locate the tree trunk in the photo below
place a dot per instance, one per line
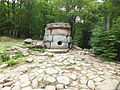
(108, 22)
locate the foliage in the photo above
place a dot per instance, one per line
(103, 43)
(38, 49)
(12, 62)
(17, 55)
(5, 56)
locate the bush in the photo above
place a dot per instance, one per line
(18, 55)
(5, 56)
(11, 62)
(38, 49)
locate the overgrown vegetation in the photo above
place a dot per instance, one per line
(94, 24)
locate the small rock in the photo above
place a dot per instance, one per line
(118, 86)
(27, 83)
(34, 83)
(16, 86)
(4, 65)
(29, 60)
(6, 88)
(63, 79)
(73, 76)
(49, 87)
(98, 79)
(50, 79)
(51, 71)
(8, 84)
(27, 88)
(91, 84)
(40, 44)
(59, 86)
(28, 41)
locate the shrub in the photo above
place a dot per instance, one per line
(18, 55)
(38, 49)
(11, 62)
(5, 56)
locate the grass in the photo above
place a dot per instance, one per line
(5, 45)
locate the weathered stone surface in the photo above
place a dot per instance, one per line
(91, 84)
(73, 76)
(48, 38)
(97, 79)
(57, 51)
(54, 45)
(63, 79)
(35, 83)
(29, 60)
(27, 88)
(47, 32)
(50, 79)
(118, 86)
(40, 44)
(58, 38)
(60, 32)
(69, 39)
(59, 25)
(59, 86)
(47, 44)
(49, 87)
(28, 41)
(51, 71)
(6, 88)
(4, 65)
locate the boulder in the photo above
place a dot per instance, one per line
(28, 41)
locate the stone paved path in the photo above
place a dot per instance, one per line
(67, 71)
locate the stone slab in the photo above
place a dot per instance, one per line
(58, 38)
(59, 25)
(47, 32)
(57, 50)
(48, 38)
(64, 32)
(47, 44)
(54, 45)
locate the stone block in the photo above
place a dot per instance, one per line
(56, 45)
(58, 38)
(48, 38)
(69, 39)
(47, 44)
(47, 32)
(60, 32)
(59, 25)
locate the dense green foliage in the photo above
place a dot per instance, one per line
(94, 24)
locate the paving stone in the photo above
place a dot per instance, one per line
(59, 86)
(98, 79)
(73, 76)
(49, 87)
(27, 88)
(51, 71)
(6, 88)
(29, 60)
(91, 84)
(50, 79)
(34, 83)
(63, 79)
(25, 84)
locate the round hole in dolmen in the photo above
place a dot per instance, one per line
(59, 43)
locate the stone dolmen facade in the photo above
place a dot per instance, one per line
(58, 36)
